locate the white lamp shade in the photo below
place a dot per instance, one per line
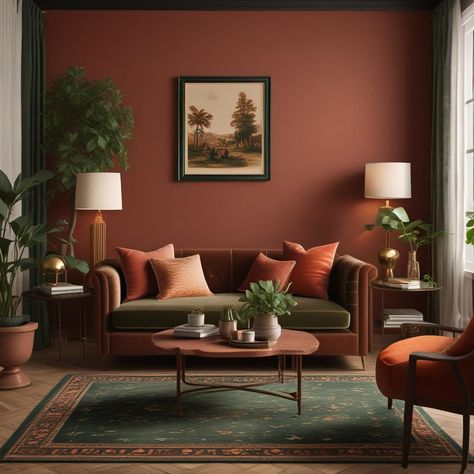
(388, 180)
(98, 191)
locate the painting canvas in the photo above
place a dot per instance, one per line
(224, 125)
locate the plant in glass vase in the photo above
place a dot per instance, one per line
(417, 233)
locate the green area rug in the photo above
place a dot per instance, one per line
(131, 418)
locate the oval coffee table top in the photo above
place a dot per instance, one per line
(290, 343)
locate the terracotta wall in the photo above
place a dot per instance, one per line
(347, 88)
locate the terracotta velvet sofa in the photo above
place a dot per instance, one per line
(342, 324)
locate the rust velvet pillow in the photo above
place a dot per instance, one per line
(139, 276)
(266, 268)
(179, 277)
(310, 277)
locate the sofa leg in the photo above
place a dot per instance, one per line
(389, 403)
(105, 362)
(362, 359)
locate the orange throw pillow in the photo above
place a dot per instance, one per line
(179, 277)
(266, 268)
(139, 276)
(465, 343)
(310, 277)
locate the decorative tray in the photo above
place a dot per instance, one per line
(252, 345)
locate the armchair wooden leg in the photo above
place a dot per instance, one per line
(362, 359)
(407, 421)
(465, 440)
(389, 403)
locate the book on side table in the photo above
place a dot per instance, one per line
(394, 317)
(61, 288)
(402, 283)
(198, 332)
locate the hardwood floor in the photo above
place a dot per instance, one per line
(45, 371)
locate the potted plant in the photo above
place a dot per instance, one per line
(86, 127)
(264, 302)
(416, 233)
(196, 317)
(17, 234)
(227, 323)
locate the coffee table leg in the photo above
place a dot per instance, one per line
(281, 368)
(299, 368)
(178, 383)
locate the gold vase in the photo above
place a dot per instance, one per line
(387, 262)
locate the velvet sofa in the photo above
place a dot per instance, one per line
(342, 324)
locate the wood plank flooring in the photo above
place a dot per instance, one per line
(45, 371)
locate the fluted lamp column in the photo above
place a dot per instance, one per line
(98, 192)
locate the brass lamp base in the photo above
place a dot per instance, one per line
(98, 239)
(387, 262)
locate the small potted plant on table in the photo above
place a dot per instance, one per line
(264, 302)
(196, 317)
(227, 323)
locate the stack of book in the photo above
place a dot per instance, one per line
(403, 283)
(199, 332)
(394, 317)
(61, 288)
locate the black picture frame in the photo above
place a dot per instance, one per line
(209, 147)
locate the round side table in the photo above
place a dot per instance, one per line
(375, 285)
(55, 302)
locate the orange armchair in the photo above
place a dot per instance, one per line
(433, 371)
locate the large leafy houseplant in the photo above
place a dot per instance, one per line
(17, 235)
(470, 228)
(87, 126)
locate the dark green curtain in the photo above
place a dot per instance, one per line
(33, 158)
(440, 134)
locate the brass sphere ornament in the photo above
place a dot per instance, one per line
(387, 262)
(53, 266)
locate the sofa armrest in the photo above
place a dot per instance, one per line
(349, 286)
(105, 280)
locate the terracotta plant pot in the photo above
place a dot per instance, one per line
(16, 346)
(266, 327)
(226, 328)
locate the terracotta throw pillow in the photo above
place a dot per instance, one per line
(266, 268)
(310, 277)
(179, 277)
(139, 276)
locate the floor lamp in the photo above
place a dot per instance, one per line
(98, 192)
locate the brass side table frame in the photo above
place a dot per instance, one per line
(54, 302)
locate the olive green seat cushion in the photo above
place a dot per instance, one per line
(150, 314)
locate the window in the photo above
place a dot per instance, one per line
(468, 116)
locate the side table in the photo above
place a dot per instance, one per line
(376, 286)
(55, 302)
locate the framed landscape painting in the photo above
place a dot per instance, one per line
(223, 128)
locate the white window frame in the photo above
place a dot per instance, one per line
(467, 66)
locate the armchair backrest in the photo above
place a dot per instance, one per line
(465, 343)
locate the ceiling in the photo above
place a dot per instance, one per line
(236, 4)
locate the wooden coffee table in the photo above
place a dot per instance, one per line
(291, 343)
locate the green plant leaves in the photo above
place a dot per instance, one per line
(77, 264)
(264, 297)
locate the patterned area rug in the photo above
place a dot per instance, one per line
(131, 418)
